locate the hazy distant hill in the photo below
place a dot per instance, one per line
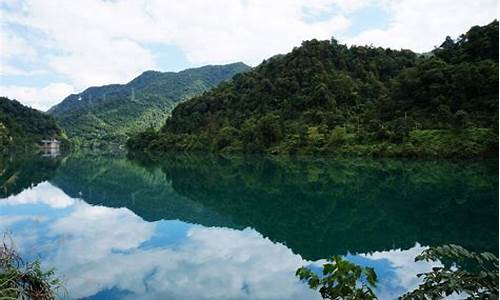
(23, 127)
(108, 113)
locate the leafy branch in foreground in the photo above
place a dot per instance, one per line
(24, 280)
(340, 280)
(479, 283)
(465, 273)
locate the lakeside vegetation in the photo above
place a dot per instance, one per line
(23, 128)
(341, 279)
(324, 97)
(24, 280)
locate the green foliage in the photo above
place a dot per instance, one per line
(464, 273)
(142, 138)
(477, 44)
(22, 127)
(341, 279)
(5, 139)
(469, 273)
(295, 103)
(338, 137)
(24, 280)
(109, 114)
(225, 137)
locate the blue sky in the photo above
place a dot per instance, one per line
(51, 48)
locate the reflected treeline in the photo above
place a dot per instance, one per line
(115, 181)
(317, 207)
(320, 207)
(18, 172)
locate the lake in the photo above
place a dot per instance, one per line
(208, 227)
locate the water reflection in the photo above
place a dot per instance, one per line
(23, 171)
(212, 228)
(105, 251)
(315, 206)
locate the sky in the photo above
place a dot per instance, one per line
(52, 48)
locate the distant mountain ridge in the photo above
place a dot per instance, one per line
(109, 113)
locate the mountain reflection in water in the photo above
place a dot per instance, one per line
(205, 227)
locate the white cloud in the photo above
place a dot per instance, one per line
(96, 231)
(94, 42)
(15, 47)
(44, 193)
(12, 45)
(403, 264)
(39, 98)
(349, 5)
(235, 30)
(109, 61)
(210, 263)
(420, 25)
(101, 41)
(205, 263)
(7, 221)
(95, 248)
(6, 69)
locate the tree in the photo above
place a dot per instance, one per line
(456, 277)
(315, 137)
(444, 114)
(142, 140)
(401, 130)
(338, 137)
(268, 130)
(448, 43)
(4, 135)
(464, 273)
(460, 119)
(340, 280)
(22, 127)
(225, 137)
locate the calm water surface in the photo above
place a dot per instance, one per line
(204, 227)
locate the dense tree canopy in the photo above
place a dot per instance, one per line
(23, 127)
(327, 97)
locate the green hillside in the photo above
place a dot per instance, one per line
(324, 97)
(22, 128)
(107, 114)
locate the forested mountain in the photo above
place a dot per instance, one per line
(108, 113)
(324, 97)
(22, 127)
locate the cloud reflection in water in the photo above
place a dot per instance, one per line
(101, 251)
